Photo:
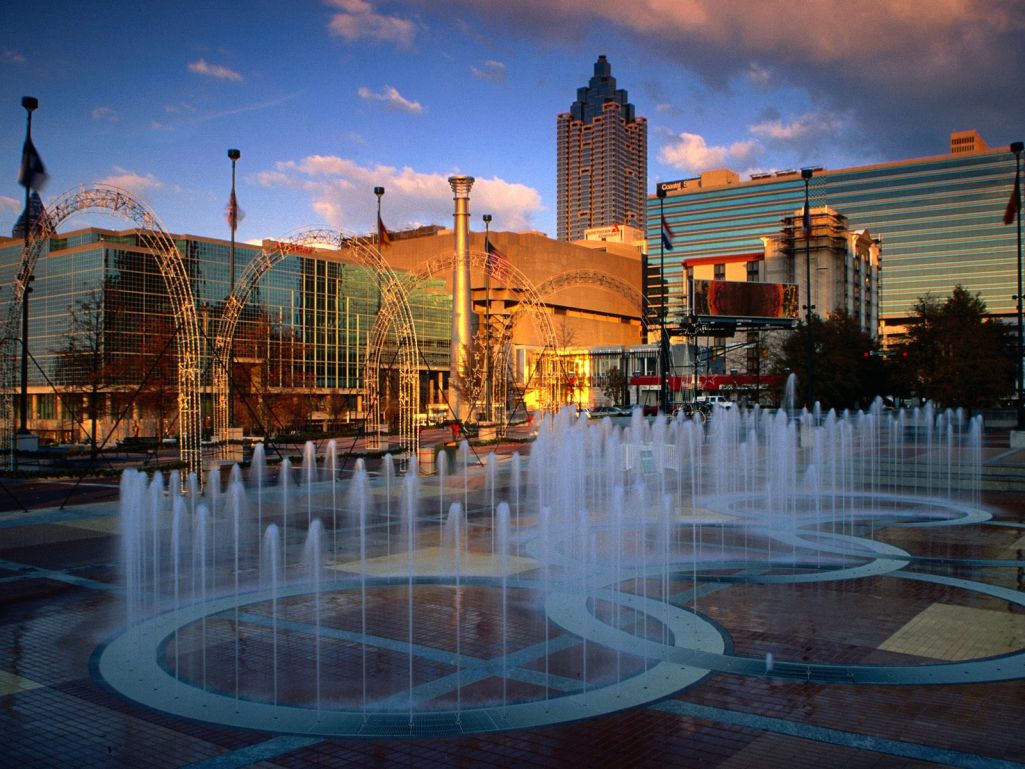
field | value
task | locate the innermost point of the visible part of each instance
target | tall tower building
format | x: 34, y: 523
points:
x: 602, y: 159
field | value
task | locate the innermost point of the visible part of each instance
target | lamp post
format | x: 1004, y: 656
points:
x: 806, y: 174
x: 663, y: 338
x: 379, y: 191
x: 487, y: 316
x: 30, y: 103
x: 233, y: 155
x: 1016, y: 148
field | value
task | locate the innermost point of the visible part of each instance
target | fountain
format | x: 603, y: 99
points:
x: 512, y: 592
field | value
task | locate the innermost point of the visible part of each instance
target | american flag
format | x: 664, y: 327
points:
x: 498, y: 265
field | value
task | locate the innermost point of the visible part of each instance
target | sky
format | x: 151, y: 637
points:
x: 327, y: 99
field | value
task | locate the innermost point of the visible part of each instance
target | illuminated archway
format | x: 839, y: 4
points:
x: 117, y: 202
x: 393, y: 295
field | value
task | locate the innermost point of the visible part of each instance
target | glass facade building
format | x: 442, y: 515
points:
x: 940, y: 221
x: 601, y: 157
x: 100, y: 317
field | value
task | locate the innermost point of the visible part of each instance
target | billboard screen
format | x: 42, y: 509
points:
x: 742, y: 299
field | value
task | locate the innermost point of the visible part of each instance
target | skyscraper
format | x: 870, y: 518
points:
x: 602, y: 159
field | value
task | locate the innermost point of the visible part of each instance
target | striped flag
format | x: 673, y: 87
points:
x: 383, y: 236
x: 667, y: 235
x: 235, y: 214
x: 498, y: 265
x: 1014, y: 202
x: 32, y: 173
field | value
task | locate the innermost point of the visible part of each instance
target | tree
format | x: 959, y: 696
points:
x: 955, y: 355
x: 83, y: 364
x: 614, y: 387
x: 154, y: 369
x: 848, y: 369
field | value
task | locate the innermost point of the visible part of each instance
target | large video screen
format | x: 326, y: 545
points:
x: 741, y: 299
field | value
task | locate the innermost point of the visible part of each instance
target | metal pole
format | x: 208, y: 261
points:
x: 233, y: 155
x: 806, y: 174
x: 1016, y: 148
x: 30, y: 104
x: 663, y: 340
x: 487, y: 317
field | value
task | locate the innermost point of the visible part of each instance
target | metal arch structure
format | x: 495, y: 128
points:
x: 530, y: 301
x: 117, y: 202
x: 595, y: 278
x: 393, y: 295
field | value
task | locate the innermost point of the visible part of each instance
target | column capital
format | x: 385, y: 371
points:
x: 461, y: 185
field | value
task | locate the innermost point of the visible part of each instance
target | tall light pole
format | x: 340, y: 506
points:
x: 806, y: 174
x: 663, y: 338
x: 462, y: 309
x: 233, y: 155
x: 31, y: 104
x: 1016, y: 148
x: 379, y: 191
x: 487, y: 316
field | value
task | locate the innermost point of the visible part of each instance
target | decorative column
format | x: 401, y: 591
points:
x: 462, y: 308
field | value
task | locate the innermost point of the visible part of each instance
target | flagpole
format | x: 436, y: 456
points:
x: 487, y: 316
x: 1016, y: 148
x: 233, y: 155
x: 30, y: 103
x: 663, y: 339
x: 806, y: 174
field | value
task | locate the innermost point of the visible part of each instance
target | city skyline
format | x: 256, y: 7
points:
x: 328, y: 100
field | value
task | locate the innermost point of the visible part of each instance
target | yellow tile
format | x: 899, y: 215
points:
x: 12, y: 684
x: 948, y: 632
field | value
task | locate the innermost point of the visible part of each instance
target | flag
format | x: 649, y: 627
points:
x: 667, y: 235
x: 1014, y: 202
x: 383, y: 236
x: 30, y: 218
x: 807, y: 221
x: 498, y: 266
x: 235, y: 214
x: 32, y: 174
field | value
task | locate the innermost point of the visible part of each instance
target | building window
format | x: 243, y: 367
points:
x: 719, y: 272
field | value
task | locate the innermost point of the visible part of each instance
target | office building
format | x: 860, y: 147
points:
x: 602, y: 159
x: 939, y: 220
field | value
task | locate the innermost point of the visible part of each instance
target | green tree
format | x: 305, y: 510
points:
x: 848, y: 369
x: 955, y: 355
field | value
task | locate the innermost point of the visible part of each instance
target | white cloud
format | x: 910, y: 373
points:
x: 106, y: 114
x: 691, y: 153
x: 180, y: 107
x: 490, y: 70
x: 800, y: 129
x: 341, y: 192
x: 131, y: 181
x: 391, y: 96
x: 11, y: 203
x: 664, y: 107
x: 12, y: 57
x: 357, y: 19
x: 201, y: 67
x: 758, y: 75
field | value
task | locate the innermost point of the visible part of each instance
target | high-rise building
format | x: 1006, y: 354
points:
x: 939, y: 218
x: 602, y: 159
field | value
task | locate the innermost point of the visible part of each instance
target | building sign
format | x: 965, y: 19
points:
x: 741, y: 299
x: 680, y: 184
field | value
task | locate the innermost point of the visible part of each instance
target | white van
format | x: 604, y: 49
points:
x: 714, y: 400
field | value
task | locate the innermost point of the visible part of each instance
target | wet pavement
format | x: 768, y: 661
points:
x: 953, y: 599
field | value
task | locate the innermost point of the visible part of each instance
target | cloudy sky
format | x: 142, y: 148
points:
x: 326, y: 99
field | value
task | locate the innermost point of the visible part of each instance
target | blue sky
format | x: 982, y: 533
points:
x: 325, y: 100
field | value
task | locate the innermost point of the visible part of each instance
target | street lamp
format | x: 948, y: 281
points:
x: 233, y: 156
x: 806, y: 174
x: 31, y: 104
x: 487, y: 316
x: 663, y: 342
x: 1016, y: 148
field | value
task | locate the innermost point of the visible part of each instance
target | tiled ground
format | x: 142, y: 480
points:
x: 59, y: 601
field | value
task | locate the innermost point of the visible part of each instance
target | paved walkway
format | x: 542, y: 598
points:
x: 60, y: 600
